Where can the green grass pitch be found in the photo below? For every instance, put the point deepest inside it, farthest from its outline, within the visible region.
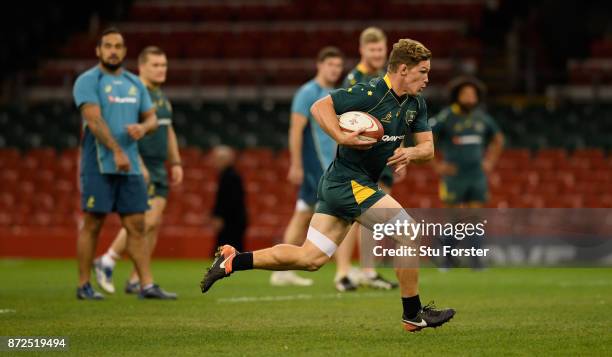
(499, 312)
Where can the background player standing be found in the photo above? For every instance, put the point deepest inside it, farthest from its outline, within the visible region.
(117, 111)
(311, 150)
(471, 143)
(155, 149)
(373, 50)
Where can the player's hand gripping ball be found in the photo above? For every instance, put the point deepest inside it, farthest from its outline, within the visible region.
(355, 121)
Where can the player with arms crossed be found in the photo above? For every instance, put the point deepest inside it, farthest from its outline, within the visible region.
(348, 191)
(117, 112)
(155, 149)
(373, 50)
(312, 151)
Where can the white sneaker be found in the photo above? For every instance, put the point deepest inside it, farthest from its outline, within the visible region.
(285, 278)
(104, 276)
(357, 276)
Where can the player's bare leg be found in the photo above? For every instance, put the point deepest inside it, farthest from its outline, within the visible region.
(86, 243)
(343, 260)
(297, 227)
(105, 264)
(415, 316)
(369, 276)
(308, 256)
(324, 235)
(348, 278)
(294, 235)
(86, 248)
(410, 279)
(153, 221)
(118, 246)
(138, 250)
(136, 245)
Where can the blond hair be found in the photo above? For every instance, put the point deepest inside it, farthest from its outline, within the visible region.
(149, 50)
(408, 52)
(372, 34)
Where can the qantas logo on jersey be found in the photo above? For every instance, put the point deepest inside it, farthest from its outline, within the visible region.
(392, 137)
(122, 100)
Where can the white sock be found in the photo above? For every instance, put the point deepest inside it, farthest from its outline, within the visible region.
(107, 260)
(148, 286)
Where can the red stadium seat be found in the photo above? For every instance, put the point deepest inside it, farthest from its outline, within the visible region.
(588, 153)
(9, 158)
(9, 178)
(552, 154)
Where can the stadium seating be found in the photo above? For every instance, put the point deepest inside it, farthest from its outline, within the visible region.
(557, 156)
(271, 43)
(38, 188)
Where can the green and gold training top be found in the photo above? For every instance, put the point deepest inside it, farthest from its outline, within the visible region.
(359, 74)
(154, 147)
(398, 115)
(462, 137)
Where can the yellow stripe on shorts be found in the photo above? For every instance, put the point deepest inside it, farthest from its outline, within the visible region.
(443, 191)
(361, 193)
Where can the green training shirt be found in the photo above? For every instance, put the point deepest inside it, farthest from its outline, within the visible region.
(398, 115)
(462, 138)
(154, 147)
(359, 75)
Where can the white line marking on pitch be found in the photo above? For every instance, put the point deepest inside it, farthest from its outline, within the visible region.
(7, 311)
(299, 297)
(570, 284)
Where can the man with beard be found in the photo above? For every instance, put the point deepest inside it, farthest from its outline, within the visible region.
(470, 142)
(117, 112)
(155, 149)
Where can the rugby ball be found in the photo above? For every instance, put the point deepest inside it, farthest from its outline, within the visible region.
(354, 121)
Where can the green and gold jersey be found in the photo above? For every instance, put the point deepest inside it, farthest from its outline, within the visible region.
(462, 138)
(360, 75)
(154, 147)
(398, 115)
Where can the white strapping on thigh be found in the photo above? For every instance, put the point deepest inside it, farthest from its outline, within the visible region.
(317, 238)
(402, 217)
